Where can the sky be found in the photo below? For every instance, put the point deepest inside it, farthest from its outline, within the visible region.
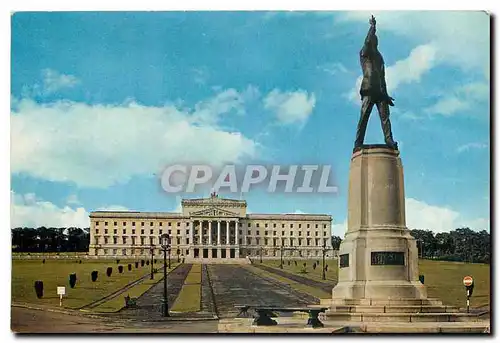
(102, 102)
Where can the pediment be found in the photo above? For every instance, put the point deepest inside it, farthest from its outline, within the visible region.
(214, 212)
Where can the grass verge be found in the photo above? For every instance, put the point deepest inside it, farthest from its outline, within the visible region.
(189, 298)
(55, 273)
(315, 292)
(118, 302)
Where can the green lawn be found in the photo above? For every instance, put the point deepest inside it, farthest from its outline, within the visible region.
(443, 279)
(118, 302)
(315, 274)
(316, 292)
(56, 273)
(189, 298)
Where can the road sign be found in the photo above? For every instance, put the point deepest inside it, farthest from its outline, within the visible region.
(468, 281)
(61, 290)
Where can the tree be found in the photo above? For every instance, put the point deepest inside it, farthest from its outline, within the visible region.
(336, 242)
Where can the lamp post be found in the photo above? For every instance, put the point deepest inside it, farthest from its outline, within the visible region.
(281, 257)
(152, 249)
(169, 249)
(324, 252)
(165, 244)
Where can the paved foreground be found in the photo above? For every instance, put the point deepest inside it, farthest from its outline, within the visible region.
(26, 320)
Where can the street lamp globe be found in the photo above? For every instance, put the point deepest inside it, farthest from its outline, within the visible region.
(165, 241)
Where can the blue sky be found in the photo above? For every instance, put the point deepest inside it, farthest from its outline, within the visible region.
(101, 102)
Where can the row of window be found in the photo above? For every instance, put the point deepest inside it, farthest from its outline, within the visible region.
(133, 223)
(242, 253)
(124, 231)
(205, 231)
(240, 224)
(249, 241)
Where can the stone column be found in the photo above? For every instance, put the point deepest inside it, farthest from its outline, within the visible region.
(210, 233)
(218, 232)
(227, 232)
(236, 241)
(191, 233)
(236, 231)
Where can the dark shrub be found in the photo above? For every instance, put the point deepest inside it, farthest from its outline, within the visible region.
(120, 269)
(137, 264)
(72, 280)
(39, 289)
(155, 270)
(147, 263)
(80, 262)
(142, 263)
(94, 275)
(109, 271)
(117, 261)
(43, 261)
(129, 267)
(314, 266)
(154, 261)
(326, 267)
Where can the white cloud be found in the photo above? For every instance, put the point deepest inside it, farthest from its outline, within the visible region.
(334, 68)
(460, 99)
(473, 145)
(54, 81)
(411, 69)
(461, 38)
(100, 145)
(290, 107)
(339, 229)
(28, 210)
(117, 208)
(72, 199)
(420, 215)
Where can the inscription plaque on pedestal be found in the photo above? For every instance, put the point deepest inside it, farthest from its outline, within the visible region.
(344, 260)
(388, 258)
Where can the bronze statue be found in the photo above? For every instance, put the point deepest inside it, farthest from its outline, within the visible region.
(373, 89)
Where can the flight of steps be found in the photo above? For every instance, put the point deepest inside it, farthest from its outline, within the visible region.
(241, 260)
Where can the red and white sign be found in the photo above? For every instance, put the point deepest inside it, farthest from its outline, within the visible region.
(468, 281)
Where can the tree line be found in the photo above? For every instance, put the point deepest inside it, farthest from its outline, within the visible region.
(461, 245)
(50, 239)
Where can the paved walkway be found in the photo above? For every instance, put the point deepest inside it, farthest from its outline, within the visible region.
(149, 304)
(237, 285)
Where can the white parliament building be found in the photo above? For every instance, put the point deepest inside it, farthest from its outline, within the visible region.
(212, 228)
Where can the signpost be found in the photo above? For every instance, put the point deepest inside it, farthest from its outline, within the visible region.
(469, 287)
(61, 291)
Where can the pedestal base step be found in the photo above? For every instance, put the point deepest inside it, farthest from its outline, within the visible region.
(400, 317)
(394, 309)
(381, 302)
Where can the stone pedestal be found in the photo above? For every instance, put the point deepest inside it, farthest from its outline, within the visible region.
(378, 257)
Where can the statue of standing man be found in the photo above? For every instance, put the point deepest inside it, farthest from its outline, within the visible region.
(373, 89)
